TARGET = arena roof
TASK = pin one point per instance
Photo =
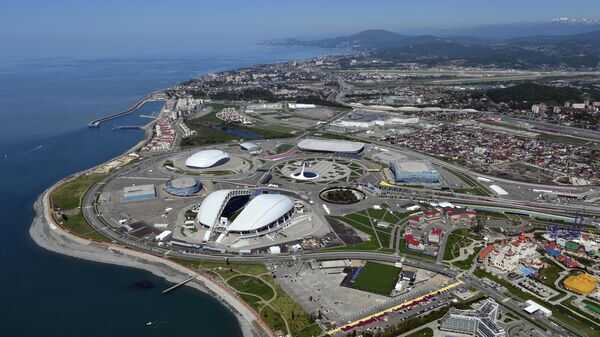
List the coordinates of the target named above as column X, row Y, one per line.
column 412, row 165
column 261, row 211
column 208, row 213
column 206, row 158
column 330, row 145
column 184, row 182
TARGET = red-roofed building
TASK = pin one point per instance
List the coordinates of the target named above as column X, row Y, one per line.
column 435, row 235
column 412, row 242
column 485, row 252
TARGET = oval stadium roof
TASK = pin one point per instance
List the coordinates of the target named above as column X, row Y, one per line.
column 261, row 211
column 330, row 145
column 184, row 182
column 206, row 158
column 208, row 213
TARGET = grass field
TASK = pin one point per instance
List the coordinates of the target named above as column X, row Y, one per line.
column 257, row 287
column 209, row 130
column 455, row 242
column 77, row 225
column 377, row 278
column 365, row 221
column 251, row 285
column 68, row 195
column 550, row 274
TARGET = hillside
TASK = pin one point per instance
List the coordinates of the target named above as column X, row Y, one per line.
column 574, row 51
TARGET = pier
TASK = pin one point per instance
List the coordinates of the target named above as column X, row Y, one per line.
column 152, row 97
column 182, row 283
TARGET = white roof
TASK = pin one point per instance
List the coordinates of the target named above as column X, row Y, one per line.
column 261, row 211
column 330, row 145
column 533, row 307
column 206, row 158
column 208, row 213
column 249, row 145
column 499, row 190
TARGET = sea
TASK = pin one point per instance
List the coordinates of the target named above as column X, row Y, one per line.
column 45, row 105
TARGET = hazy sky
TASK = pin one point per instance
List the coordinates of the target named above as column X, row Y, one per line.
column 55, row 27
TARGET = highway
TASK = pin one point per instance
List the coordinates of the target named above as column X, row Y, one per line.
column 96, row 220
column 99, row 223
column 517, row 206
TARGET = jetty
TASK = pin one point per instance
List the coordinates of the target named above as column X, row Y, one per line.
column 152, row 97
column 182, row 283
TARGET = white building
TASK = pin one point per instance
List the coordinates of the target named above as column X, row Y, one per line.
column 206, row 159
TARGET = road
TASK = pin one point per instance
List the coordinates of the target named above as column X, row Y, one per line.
column 98, row 223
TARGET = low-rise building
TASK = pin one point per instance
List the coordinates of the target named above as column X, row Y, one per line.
column 481, row 322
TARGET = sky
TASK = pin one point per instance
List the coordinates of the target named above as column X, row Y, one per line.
column 50, row 28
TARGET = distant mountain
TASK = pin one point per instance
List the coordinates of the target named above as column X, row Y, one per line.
column 524, row 29
column 368, row 39
column 578, row 50
column 581, row 40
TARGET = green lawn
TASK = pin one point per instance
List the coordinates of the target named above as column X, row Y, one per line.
column 456, row 240
column 68, row 195
column 377, row 278
column 300, row 322
column 384, row 237
column 550, row 274
column 371, row 244
column 209, row 131
column 77, row 225
column 226, row 270
column 253, row 285
column 273, row 319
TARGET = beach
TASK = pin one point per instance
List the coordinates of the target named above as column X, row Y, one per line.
column 46, row 234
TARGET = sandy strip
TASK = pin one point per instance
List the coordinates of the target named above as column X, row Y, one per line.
column 48, row 235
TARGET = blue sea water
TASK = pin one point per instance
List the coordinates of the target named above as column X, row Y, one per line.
column 45, row 105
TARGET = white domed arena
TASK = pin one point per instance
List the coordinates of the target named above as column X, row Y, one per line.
column 206, row 159
column 247, row 214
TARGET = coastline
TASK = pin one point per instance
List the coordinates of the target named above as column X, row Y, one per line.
column 48, row 235
column 51, row 237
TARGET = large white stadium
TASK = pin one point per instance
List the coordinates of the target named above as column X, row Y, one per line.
column 206, row 159
column 330, row 145
column 254, row 215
